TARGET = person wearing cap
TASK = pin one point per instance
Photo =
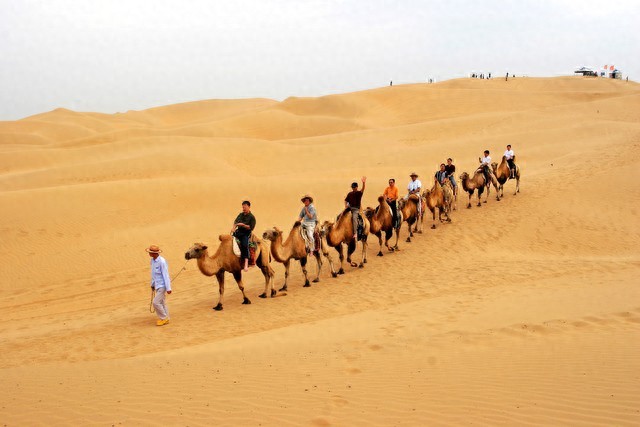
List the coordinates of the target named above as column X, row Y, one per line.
column 353, row 201
column 243, row 225
column 160, row 282
column 391, row 196
column 309, row 218
column 414, row 187
column 510, row 156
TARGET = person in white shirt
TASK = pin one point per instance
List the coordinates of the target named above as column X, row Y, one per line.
column 510, row 155
column 414, row 187
column 160, row 282
column 485, row 164
column 309, row 218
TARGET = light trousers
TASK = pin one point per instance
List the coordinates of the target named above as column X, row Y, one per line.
column 159, row 303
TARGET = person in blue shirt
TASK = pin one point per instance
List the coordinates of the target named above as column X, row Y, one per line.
column 160, row 282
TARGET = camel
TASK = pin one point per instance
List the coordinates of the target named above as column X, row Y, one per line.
column 342, row 232
column 381, row 220
column 409, row 209
column 503, row 174
column 435, row 199
column 450, row 197
column 294, row 248
column 225, row 260
column 471, row 184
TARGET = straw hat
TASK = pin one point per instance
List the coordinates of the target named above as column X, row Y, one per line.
column 414, row 174
column 153, row 249
column 307, row 196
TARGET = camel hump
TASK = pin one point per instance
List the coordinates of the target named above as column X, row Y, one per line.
column 224, row 237
column 297, row 224
column 380, row 199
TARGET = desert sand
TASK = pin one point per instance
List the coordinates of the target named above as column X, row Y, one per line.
column 525, row 311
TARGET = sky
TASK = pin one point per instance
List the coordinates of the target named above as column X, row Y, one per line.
column 118, row 55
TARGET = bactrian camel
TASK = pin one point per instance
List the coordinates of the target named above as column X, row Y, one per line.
column 471, row 184
column 225, row 260
column 434, row 199
column 294, row 248
column 409, row 209
column 381, row 221
column 342, row 232
column 503, row 174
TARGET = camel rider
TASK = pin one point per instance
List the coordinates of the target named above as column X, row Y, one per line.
column 510, row 155
column 309, row 218
column 485, row 164
column 414, row 187
column 243, row 225
column 391, row 196
column 450, row 168
column 441, row 175
column 353, row 201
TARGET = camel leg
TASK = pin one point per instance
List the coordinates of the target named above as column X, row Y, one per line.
column 341, row 256
column 238, row 276
column 379, row 235
column 220, row 277
column 388, row 234
column 433, row 215
column 469, row 205
column 364, row 253
column 351, row 248
column 303, row 264
column 287, row 264
column 395, row 247
column 517, row 184
column 318, row 258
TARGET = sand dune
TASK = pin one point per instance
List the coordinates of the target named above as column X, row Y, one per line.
column 522, row 312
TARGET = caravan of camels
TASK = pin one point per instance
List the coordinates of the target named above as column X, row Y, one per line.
column 379, row 221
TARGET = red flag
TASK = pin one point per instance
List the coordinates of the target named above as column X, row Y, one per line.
column 611, row 68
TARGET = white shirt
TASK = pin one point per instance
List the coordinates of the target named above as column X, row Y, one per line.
column 486, row 160
column 414, row 185
column 160, row 273
column 509, row 154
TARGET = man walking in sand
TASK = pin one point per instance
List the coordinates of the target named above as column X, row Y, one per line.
column 160, row 283
column 353, row 201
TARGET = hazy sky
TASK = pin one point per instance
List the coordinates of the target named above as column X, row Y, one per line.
column 119, row 55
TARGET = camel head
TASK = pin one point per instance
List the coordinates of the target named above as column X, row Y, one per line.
column 494, row 166
column 325, row 228
column 369, row 212
column 272, row 234
column 464, row 176
column 196, row 251
column 401, row 202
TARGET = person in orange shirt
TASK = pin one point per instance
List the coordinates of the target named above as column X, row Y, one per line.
column 391, row 196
